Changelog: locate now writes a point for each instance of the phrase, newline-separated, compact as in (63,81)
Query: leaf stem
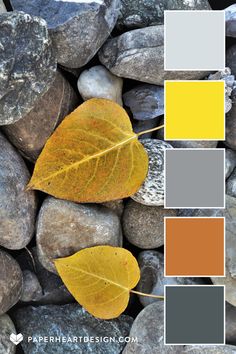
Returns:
(148,295)
(151,130)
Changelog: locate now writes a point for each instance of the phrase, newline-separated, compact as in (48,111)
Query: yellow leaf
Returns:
(93,156)
(100,279)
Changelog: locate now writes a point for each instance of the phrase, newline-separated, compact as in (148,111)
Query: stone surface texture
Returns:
(6,328)
(230,18)
(231,124)
(32,290)
(2,7)
(230,162)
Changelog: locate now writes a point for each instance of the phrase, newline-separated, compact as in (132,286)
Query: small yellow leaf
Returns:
(100,279)
(93,156)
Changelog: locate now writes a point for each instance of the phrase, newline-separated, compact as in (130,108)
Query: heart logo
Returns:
(16,338)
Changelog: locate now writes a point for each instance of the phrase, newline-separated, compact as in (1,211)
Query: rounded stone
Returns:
(11,281)
(230,162)
(231,184)
(152,190)
(32,290)
(2,7)
(230,18)
(230,328)
(18,206)
(143,225)
(100,83)
(142,125)
(231,58)
(6,328)
(63,228)
(28,65)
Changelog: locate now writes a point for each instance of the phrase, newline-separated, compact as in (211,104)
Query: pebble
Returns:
(11,282)
(148,327)
(32,290)
(100,83)
(17,207)
(143,225)
(152,280)
(2,9)
(139,55)
(230,58)
(230,18)
(231,184)
(23,83)
(142,125)
(30,133)
(63,228)
(6,328)
(231,124)
(210,349)
(69,321)
(152,190)
(145,101)
(230,328)
(230,162)
(143,13)
(78,28)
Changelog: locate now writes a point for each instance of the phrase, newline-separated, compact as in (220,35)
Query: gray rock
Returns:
(116,205)
(139,55)
(230,58)
(10,282)
(230,18)
(17,206)
(143,225)
(32,290)
(63,228)
(142,125)
(210,349)
(230,328)
(231,124)
(142,13)
(148,327)
(152,279)
(2,9)
(230,162)
(145,101)
(152,190)
(99,82)
(69,321)
(6,328)
(78,28)
(231,184)
(28,66)
(30,133)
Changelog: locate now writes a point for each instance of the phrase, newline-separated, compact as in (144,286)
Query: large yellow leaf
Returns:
(100,278)
(93,156)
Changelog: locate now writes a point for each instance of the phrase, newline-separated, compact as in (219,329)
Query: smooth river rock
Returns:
(10,282)
(30,133)
(139,55)
(69,321)
(2,7)
(78,28)
(63,228)
(28,64)
(6,328)
(17,206)
(143,225)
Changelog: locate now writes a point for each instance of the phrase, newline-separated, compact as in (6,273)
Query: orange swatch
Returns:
(194,246)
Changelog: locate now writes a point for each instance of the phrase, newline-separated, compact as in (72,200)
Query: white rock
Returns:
(2,7)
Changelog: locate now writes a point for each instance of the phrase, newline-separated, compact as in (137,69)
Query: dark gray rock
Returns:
(142,125)
(152,279)
(152,190)
(230,18)
(78,28)
(231,124)
(6,328)
(139,55)
(63,228)
(209,349)
(142,13)
(69,321)
(230,162)
(230,58)
(145,101)
(231,184)
(30,133)
(10,282)
(28,64)
(143,225)
(148,327)
(32,290)
(17,206)
(230,328)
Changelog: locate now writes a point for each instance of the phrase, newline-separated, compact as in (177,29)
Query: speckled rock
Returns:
(10,282)
(116,205)
(231,184)
(78,28)
(32,290)
(142,125)
(6,328)
(152,190)
(142,13)
(230,18)
(23,83)
(2,9)
(209,349)
(230,328)
(148,327)
(143,225)
(152,279)
(63,228)
(100,83)
(30,133)
(231,124)
(230,162)
(17,206)
(139,55)
(145,101)
(69,321)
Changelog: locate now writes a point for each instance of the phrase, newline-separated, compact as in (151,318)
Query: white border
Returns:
(195,11)
(198,344)
(195,207)
(193,217)
(208,82)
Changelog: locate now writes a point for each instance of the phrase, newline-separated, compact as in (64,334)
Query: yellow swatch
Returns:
(194,110)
